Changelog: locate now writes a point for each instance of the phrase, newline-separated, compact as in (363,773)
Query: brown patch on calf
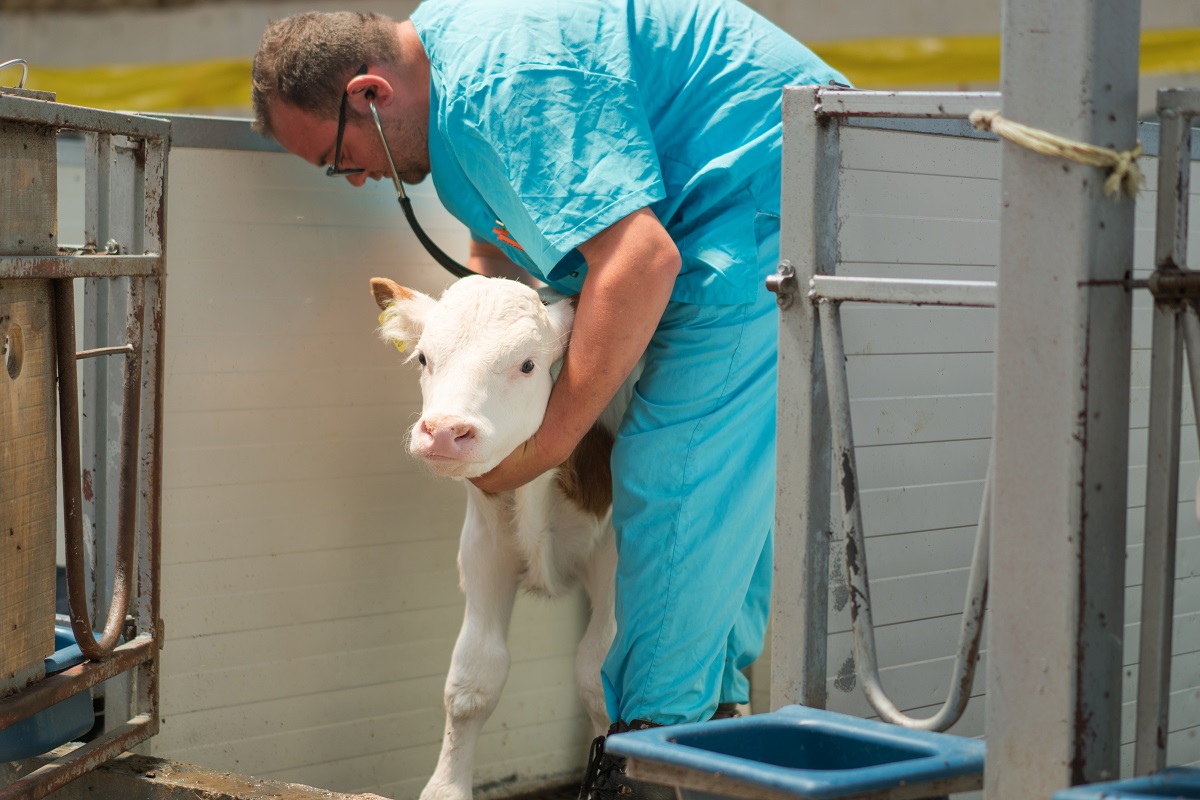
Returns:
(388,291)
(586,477)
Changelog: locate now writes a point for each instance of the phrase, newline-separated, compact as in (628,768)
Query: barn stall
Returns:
(308,582)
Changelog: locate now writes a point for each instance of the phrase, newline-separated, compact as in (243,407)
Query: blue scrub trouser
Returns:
(693,508)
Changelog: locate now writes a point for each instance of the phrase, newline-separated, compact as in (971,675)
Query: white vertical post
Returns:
(808,242)
(1062,404)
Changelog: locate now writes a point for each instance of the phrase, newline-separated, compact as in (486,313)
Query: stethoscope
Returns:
(450,265)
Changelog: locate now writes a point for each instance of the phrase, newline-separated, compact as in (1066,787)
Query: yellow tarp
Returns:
(922,61)
(884,63)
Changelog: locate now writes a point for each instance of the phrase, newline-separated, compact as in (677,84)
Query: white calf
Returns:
(486,351)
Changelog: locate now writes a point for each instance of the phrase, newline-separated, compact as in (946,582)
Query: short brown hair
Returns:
(307,59)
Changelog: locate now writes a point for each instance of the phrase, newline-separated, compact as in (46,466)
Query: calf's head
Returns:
(485,349)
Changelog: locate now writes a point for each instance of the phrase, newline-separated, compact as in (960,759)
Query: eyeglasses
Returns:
(449,264)
(335,171)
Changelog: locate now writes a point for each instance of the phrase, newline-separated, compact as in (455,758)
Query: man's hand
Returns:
(632,266)
(518,468)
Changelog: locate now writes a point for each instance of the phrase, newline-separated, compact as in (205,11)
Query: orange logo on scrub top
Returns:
(503,235)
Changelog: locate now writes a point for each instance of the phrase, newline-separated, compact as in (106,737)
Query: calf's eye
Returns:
(527,366)
(421,359)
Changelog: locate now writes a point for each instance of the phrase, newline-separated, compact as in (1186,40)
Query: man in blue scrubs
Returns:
(627,151)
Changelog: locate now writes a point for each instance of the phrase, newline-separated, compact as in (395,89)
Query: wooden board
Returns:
(27,494)
(28,226)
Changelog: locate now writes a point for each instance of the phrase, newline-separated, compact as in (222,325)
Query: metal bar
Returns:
(73,523)
(1061,405)
(1174,177)
(98,266)
(808,238)
(79,118)
(149,581)
(97,158)
(1162,460)
(58,687)
(1191,340)
(854,538)
(95,352)
(1158,559)
(926,105)
(1184,102)
(840,288)
(59,773)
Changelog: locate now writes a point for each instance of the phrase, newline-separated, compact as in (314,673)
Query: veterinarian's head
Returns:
(314,80)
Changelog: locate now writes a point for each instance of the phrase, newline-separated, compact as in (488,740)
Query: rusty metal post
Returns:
(1062,404)
(1162,460)
(799,607)
(136,478)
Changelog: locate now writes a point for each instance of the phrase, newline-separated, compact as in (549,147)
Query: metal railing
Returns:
(1176,291)
(812,354)
(134,603)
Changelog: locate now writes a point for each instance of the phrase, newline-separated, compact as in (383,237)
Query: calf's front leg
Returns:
(479,666)
(593,647)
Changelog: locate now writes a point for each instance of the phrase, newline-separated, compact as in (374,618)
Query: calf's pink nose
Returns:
(448,436)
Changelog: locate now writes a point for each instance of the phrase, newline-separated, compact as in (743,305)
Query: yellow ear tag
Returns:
(399,345)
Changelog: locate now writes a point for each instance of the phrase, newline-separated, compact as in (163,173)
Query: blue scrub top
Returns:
(550,120)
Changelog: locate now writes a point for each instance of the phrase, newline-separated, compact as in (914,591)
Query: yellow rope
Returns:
(1123,176)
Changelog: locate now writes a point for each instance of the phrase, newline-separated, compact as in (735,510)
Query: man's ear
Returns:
(404,311)
(375,88)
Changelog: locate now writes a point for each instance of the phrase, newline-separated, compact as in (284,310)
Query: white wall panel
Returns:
(310,590)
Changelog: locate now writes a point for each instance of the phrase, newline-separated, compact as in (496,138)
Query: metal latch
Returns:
(783,283)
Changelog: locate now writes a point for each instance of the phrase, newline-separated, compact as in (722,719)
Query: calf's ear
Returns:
(562,318)
(404,311)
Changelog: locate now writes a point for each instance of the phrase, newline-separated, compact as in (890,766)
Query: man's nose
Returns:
(357,180)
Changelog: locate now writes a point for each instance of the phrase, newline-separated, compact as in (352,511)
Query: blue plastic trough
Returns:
(802,752)
(1178,782)
(60,723)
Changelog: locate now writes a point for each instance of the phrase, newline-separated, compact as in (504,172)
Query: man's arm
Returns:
(632,266)
(487,259)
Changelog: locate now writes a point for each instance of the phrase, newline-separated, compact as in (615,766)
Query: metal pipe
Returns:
(1191,340)
(79,118)
(935,105)
(1158,559)
(1162,459)
(72,501)
(98,266)
(840,288)
(116,350)
(62,685)
(808,239)
(862,621)
(80,761)
(18,62)
(1184,102)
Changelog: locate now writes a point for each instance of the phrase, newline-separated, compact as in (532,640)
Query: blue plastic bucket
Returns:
(62,722)
(802,752)
(1177,782)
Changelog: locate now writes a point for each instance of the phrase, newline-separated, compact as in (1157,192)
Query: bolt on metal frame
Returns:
(815,424)
(1176,292)
(134,605)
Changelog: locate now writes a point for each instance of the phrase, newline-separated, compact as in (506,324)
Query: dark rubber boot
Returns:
(605,777)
